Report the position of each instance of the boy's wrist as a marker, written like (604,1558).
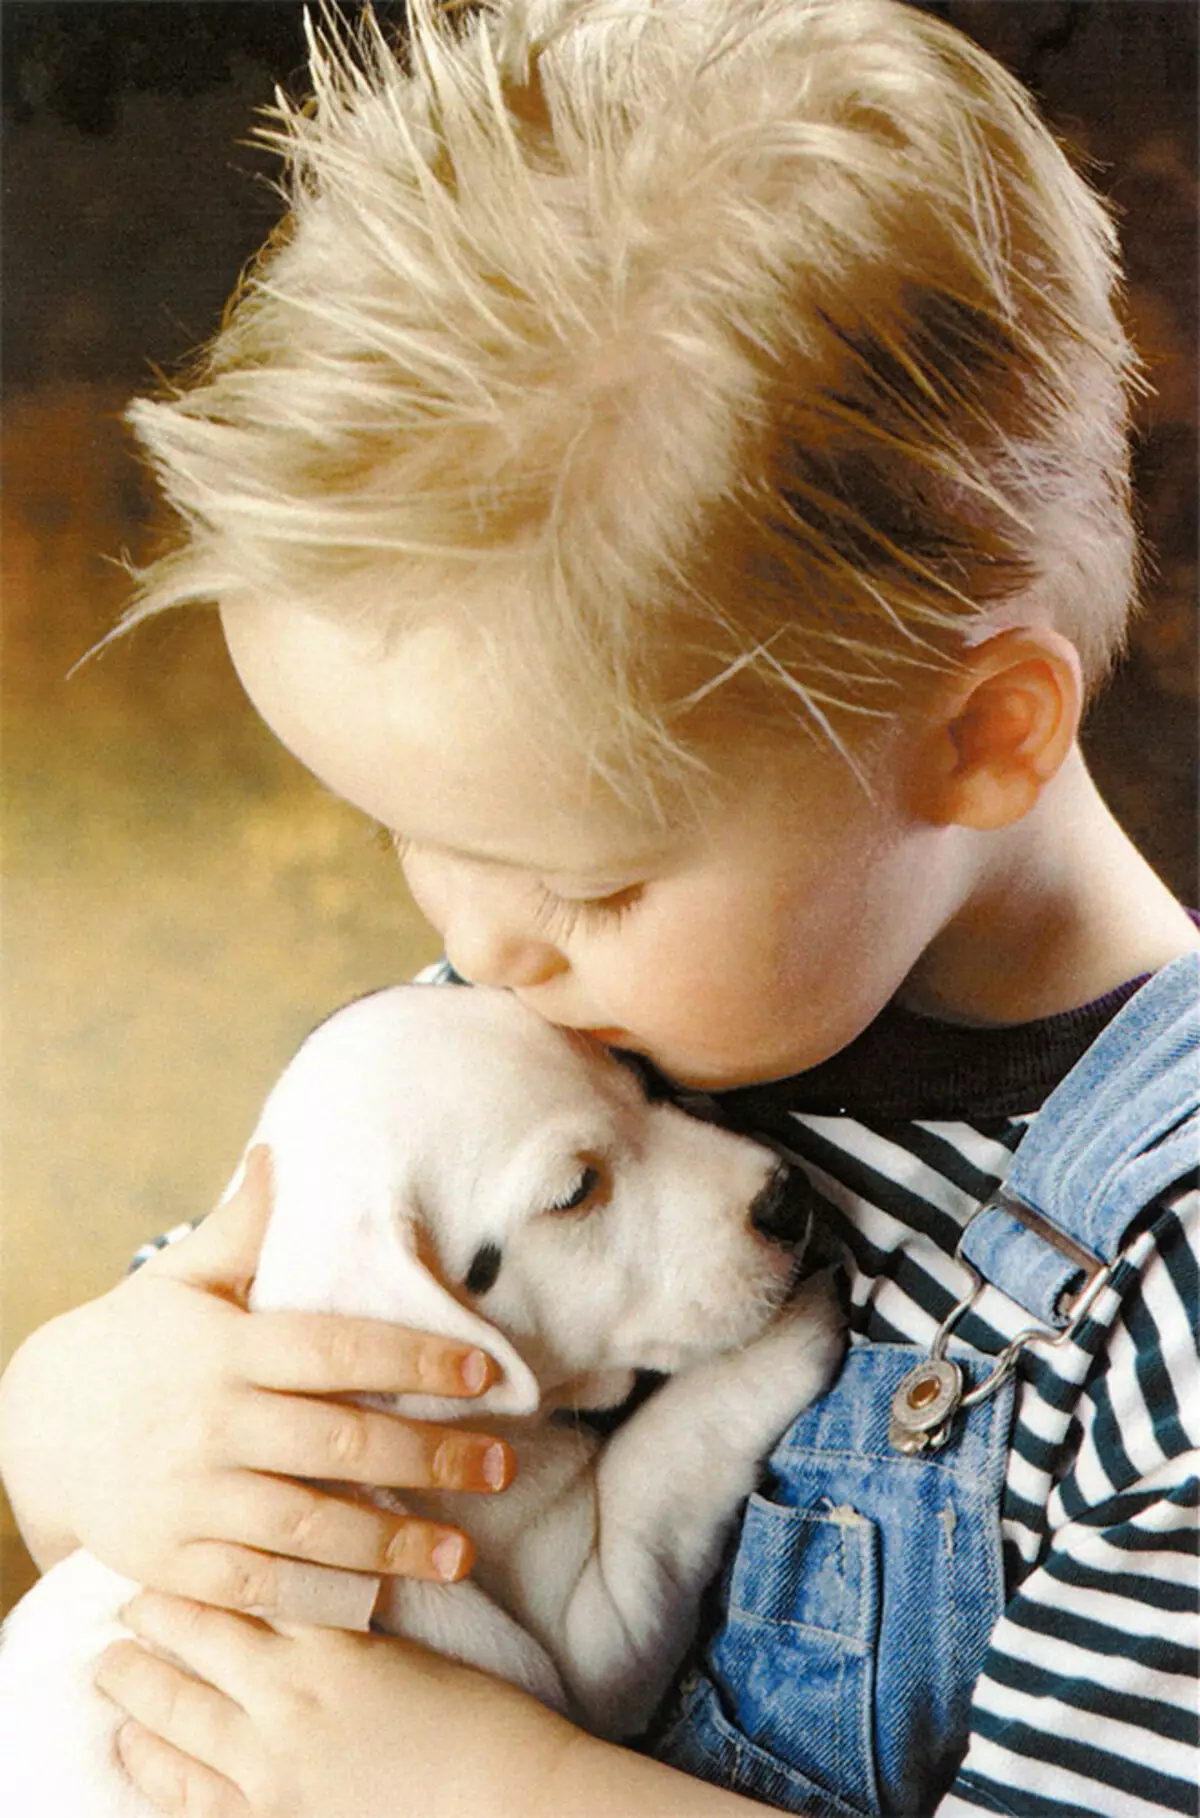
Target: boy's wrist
(588,1778)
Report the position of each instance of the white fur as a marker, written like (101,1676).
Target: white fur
(413,1127)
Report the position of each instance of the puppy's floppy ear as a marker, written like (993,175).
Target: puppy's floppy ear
(429,1307)
(341,1239)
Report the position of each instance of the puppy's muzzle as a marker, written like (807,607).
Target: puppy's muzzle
(782,1211)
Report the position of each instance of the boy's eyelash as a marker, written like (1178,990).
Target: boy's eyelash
(560,916)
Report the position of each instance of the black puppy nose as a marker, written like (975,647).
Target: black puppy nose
(782,1210)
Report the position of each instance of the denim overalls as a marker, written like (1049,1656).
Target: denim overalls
(853,1619)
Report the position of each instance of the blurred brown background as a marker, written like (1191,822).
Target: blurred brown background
(180,903)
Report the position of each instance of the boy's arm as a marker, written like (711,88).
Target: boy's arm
(596,1780)
(246,1720)
(27,1463)
(1087,1699)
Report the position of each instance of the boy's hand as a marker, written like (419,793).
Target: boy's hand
(245,1722)
(163,1427)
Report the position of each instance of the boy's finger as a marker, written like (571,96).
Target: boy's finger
(222,1252)
(324,1597)
(263,1526)
(264,1583)
(328,1354)
(174,1704)
(172,1781)
(224,1649)
(293,1436)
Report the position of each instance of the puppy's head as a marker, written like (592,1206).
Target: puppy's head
(447,1160)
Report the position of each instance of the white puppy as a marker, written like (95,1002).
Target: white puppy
(446,1160)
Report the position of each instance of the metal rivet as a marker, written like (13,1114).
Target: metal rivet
(924,1392)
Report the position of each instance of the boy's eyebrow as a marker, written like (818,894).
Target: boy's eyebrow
(615,866)
(620,866)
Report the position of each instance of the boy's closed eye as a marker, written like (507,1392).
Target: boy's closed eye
(557,915)
(560,916)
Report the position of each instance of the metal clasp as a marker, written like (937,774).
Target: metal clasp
(931,1394)
(923,1405)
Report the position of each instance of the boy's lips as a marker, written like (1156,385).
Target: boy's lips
(607,1034)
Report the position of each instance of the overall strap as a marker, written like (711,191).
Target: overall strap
(1122,1128)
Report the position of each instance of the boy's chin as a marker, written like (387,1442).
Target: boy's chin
(719,1076)
(726,1073)
(723,1072)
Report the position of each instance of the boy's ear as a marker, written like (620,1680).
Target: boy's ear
(1005,723)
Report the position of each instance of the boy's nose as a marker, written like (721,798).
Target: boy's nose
(506,958)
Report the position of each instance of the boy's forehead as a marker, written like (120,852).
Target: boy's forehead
(418,735)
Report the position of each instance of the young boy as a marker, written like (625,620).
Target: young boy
(672,471)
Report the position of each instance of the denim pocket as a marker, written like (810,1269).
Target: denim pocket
(844,1638)
(795,1661)
(702,1742)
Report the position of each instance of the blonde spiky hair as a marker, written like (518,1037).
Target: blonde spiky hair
(684,350)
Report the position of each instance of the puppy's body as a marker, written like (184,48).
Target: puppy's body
(448,1161)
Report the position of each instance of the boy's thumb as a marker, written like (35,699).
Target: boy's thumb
(221,1254)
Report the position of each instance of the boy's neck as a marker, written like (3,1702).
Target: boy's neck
(1061,908)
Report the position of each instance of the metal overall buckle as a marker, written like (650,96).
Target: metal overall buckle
(932,1393)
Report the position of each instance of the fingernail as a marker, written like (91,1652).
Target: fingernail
(448,1556)
(475,1371)
(494,1466)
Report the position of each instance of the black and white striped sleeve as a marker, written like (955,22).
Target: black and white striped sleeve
(153,1245)
(1087,1703)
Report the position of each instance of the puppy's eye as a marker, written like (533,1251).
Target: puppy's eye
(485,1267)
(583,1190)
